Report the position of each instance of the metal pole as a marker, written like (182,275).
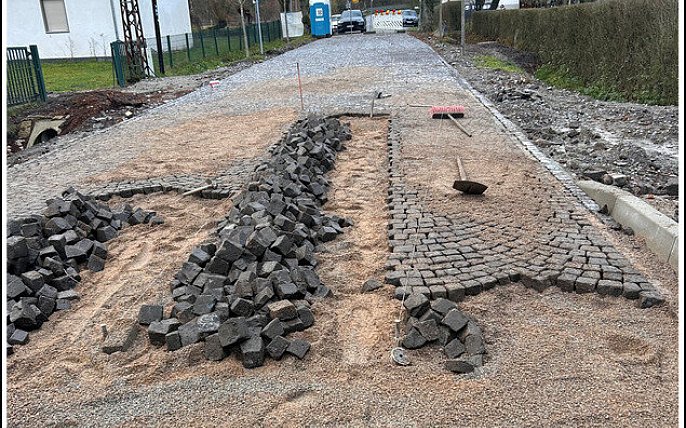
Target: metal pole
(114,20)
(188,48)
(259,25)
(158,36)
(285,19)
(440,20)
(169,49)
(462,30)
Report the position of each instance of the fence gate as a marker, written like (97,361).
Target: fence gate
(25,82)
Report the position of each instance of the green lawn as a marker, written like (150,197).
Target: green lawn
(223,53)
(605,91)
(65,76)
(489,61)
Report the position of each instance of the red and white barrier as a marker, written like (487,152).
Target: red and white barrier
(387,20)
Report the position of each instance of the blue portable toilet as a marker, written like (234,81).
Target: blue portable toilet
(320,19)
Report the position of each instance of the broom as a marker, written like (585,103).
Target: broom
(446,112)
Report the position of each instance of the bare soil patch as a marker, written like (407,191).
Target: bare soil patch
(362,324)
(202,146)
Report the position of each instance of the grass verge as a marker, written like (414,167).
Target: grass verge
(490,61)
(561,78)
(67,76)
(228,57)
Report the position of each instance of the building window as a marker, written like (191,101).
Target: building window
(54,16)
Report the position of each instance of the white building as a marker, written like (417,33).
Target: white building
(85,28)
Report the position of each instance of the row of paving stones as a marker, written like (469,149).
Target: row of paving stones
(45,253)
(219,186)
(245,292)
(443,258)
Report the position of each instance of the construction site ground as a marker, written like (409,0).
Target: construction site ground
(554,358)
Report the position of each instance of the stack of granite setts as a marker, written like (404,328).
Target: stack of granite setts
(46,252)
(245,292)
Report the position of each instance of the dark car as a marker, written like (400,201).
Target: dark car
(410,18)
(351,20)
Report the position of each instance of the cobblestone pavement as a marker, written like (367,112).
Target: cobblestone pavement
(219,186)
(451,246)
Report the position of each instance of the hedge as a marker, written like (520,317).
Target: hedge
(631,46)
(451,16)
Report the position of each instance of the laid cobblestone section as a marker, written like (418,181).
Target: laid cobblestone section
(224,184)
(437,259)
(245,293)
(46,252)
(460,256)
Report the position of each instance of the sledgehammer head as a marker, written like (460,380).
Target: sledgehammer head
(469,187)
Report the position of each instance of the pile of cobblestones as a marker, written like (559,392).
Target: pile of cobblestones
(247,292)
(46,252)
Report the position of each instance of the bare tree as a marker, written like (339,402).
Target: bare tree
(241,4)
(104,44)
(71,46)
(93,46)
(222,10)
(284,6)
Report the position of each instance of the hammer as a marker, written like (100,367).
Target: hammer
(466,186)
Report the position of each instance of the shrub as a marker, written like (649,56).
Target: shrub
(628,46)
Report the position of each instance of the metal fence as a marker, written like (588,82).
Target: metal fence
(124,71)
(218,43)
(25,83)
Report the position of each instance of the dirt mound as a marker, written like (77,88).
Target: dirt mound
(82,111)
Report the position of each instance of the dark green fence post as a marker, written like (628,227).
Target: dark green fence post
(216,45)
(269,36)
(116,48)
(171,57)
(188,48)
(254,32)
(202,44)
(39,72)
(228,37)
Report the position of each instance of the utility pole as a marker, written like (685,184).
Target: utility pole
(462,29)
(114,20)
(259,25)
(440,20)
(285,19)
(158,36)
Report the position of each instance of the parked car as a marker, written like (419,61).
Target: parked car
(410,18)
(351,20)
(334,22)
